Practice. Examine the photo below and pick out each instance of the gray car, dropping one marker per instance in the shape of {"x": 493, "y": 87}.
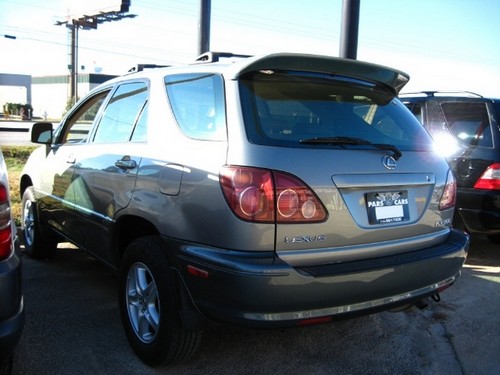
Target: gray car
{"x": 269, "y": 191}
{"x": 11, "y": 296}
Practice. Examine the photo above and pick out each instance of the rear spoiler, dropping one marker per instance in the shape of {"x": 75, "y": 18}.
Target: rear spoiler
{"x": 374, "y": 73}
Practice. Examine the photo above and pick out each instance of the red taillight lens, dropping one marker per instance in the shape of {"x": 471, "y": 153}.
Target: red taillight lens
{"x": 263, "y": 195}
{"x": 449, "y": 197}
{"x": 288, "y": 203}
{"x": 5, "y": 224}
{"x": 249, "y": 192}
{"x": 4, "y": 195}
{"x": 5, "y": 242}
{"x": 490, "y": 179}
{"x": 295, "y": 201}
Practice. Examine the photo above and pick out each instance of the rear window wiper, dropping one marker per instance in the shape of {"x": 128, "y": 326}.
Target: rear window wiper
{"x": 351, "y": 141}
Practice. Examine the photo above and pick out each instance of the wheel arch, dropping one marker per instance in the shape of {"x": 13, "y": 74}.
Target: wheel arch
{"x": 127, "y": 229}
{"x": 24, "y": 182}
{"x": 130, "y": 227}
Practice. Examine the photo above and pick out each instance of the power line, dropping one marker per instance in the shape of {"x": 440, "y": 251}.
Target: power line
{"x": 180, "y": 8}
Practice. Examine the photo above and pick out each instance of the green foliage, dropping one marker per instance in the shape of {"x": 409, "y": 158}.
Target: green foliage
{"x": 18, "y": 109}
{"x": 16, "y": 156}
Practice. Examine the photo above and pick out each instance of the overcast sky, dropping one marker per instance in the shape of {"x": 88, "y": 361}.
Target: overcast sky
{"x": 442, "y": 44}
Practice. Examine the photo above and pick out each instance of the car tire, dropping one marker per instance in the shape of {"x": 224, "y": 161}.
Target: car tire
{"x": 150, "y": 304}
{"x": 37, "y": 242}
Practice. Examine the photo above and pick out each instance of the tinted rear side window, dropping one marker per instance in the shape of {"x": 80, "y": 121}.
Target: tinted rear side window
{"x": 468, "y": 122}
{"x": 286, "y": 108}
{"x": 197, "y": 101}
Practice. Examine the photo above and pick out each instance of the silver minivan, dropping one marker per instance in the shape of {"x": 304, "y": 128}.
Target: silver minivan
{"x": 265, "y": 191}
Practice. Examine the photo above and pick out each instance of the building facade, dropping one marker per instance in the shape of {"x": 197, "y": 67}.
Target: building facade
{"x": 50, "y": 94}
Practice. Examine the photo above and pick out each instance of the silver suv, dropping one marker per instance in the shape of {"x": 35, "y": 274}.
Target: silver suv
{"x": 267, "y": 191}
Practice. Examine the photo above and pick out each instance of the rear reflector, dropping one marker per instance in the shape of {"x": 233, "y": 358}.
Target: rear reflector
{"x": 198, "y": 272}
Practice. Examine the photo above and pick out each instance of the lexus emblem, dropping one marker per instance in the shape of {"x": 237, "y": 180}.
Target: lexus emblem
{"x": 389, "y": 162}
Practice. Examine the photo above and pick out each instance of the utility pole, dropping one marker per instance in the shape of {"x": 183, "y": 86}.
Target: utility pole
{"x": 86, "y": 23}
{"x": 73, "y": 65}
{"x": 204, "y": 27}
{"x": 349, "y": 31}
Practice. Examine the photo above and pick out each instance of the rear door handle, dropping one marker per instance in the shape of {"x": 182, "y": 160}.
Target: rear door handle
{"x": 126, "y": 162}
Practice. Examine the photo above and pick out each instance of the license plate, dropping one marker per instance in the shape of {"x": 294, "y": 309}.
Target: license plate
{"x": 387, "y": 207}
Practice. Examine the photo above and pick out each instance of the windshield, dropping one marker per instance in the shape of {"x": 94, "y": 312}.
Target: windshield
{"x": 297, "y": 109}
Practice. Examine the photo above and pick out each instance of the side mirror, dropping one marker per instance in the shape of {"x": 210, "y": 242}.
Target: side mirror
{"x": 41, "y": 132}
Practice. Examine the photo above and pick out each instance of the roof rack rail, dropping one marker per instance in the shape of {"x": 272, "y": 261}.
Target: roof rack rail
{"x": 443, "y": 93}
{"x": 211, "y": 56}
{"x": 141, "y": 67}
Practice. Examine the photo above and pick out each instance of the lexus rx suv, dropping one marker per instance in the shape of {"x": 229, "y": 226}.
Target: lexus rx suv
{"x": 265, "y": 191}
{"x": 11, "y": 297}
{"x": 466, "y": 128}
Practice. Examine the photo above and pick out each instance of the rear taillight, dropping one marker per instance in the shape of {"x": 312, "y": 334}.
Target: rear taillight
{"x": 490, "y": 179}
{"x": 262, "y": 195}
{"x": 5, "y": 224}
{"x": 448, "y": 199}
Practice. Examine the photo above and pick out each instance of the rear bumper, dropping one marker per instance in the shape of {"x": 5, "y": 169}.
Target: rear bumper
{"x": 11, "y": 304}
{"x": 10, "y": 333}
{"x": 259, "y": 289}
{"x": 480, "y": 210}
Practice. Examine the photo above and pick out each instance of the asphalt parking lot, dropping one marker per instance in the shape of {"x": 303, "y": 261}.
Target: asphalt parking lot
{"x": 73, "y": 327}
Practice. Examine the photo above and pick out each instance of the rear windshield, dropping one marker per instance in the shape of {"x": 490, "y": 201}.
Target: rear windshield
{"x": 288, "y": 108}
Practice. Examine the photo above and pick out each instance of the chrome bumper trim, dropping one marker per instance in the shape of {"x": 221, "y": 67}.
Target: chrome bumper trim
{"x": 309, "y": 314}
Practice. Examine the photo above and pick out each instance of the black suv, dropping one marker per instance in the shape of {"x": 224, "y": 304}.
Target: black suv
{"x": 466, "y": 128}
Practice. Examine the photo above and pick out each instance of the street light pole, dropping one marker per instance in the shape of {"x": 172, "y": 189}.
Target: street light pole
{"x": 349, "y": 31}
{"x": 204, "y": 27}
